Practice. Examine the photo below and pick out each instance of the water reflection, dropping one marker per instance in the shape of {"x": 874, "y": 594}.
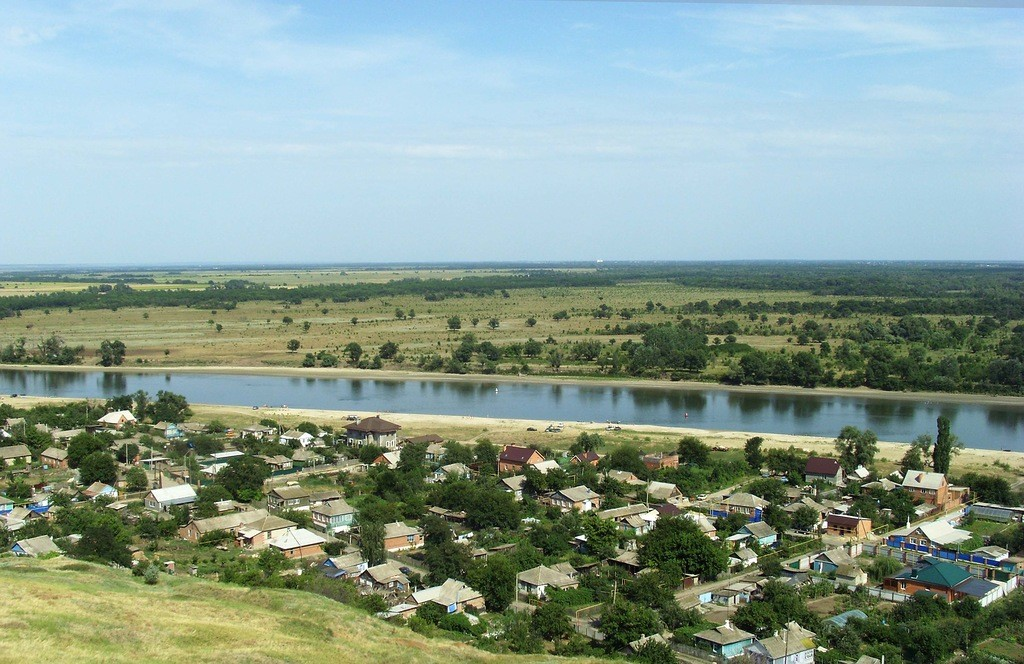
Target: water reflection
{"x": 986, "y": 426}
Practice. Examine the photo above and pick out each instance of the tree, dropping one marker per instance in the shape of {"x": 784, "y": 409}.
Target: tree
{"x": 586, "y": 442}
{"x": 624, "y": 622}
{"x": 602, "y": 535}
{"x": 532, "y": 348}
{"x": 98, "y": 467}
{"x": 486, "y": 456}
{"x": 946, "y": 445}
{"x": 207, "y": 499}
{"x": 680, "y": 541}
{"x": 112, "y": 353}
{"x": 83, "y": 445}
{"x": 104, "y": 537}
{"x": 531, "y": 321}
{"x": 371, "y": 542}
{"x": 388, "y": 350}
{"x": 454, "y": 323}
{"x": 915, "y": 456}
{"x": 496, "y": 581}
{"x": 856, "y": 447}
{"x": 551, "y": 622}
{"x": 555, "y": 359}
{"x": 752, "y": 452}
{"x": 805, "y": 518}
{"x": 693, "y": 450}
{"x": 294, "y": 345}
{"x": 243, "y": 478}
{"x": 169, "y": 407}
{"x": 493, "y": 323}
{"x": 654, "y": 652}
{"x": 354, "y": 352}
{"x": 141, "y": 403}
{"x": 136, "y": 479}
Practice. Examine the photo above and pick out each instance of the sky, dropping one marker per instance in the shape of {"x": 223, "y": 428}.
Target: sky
{"x": 164, "y": 131}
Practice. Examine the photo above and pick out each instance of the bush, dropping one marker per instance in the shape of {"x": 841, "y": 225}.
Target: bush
{"x": 151, "y": 575}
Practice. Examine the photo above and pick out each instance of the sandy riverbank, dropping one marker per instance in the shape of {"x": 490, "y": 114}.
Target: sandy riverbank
{"x": 502, "y": 431}
{"x": 387, "y": 374}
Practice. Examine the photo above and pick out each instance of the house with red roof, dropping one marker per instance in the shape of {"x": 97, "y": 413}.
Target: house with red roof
{"x": 823, "y": 469}
{"x": 513, "y": 459}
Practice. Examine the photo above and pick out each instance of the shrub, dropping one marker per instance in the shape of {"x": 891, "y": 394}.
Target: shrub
{"x": 151, "y": 575}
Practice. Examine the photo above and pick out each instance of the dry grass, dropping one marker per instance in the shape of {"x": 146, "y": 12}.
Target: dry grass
{"x": 60, "y": 610}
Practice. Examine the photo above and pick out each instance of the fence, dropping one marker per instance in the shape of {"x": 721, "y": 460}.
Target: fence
{"x": 889, "y": 595}
{"x": 699, "y": 653}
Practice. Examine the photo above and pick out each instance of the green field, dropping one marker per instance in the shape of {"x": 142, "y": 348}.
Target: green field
{"x": 61, "y": 610}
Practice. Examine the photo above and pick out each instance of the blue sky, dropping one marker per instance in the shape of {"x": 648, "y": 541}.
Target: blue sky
{"x": 163, "y": 131}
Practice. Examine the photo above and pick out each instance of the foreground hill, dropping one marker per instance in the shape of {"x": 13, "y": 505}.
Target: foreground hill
{"x": 64, "y": 610}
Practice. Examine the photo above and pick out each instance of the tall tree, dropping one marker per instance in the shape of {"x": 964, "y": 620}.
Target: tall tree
{"x": 496, "y": 581}
{"x": 98, "y": 467}
{"x": 679, "y": 541}
{"x": 693, "y": 450}
{"x": 752, "y": 452}
{"x": 946, "y": 445}
{"x": 371, "y": 542}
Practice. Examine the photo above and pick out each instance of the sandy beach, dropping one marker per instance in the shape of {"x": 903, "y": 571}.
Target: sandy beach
{"x": 503, "y": 431}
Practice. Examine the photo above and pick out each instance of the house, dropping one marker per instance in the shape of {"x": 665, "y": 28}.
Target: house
{"x": 388, "y": 460}
{"x": 851, "y": 576}
{"x": 589, "y": 458}
{"x": 742, "y": 558}
{"x": 6, "y": 504}
{"x": 760, "y": 531}
{"x": 306, "y": 458}
{"x": 117, "y": 419}
{"x": 624, "y": 476}
{"x": 350, "y": 566}
{"x": 230, "y": 523}
{"x": 298, "y": 543}
{"x": 35, "y": 547}
{"x": 827, "y": 562}
{"x": 944, "y": 579}
{"x": 317, "y": 498}
{"x": 726, "y": 641}
{"x": 386, "y": 579}
{"x": 257, "y": 533}
{"x": 841, "y": 525}
{"x": 435, "y": 451}
{"x": 452, "y": 471}
{"x": 514, "y": 459}
{"x": 277, "y": 462}
{"x": 933, "y": 489}
{"x": 54, "y": 457}
{"x": 334, "y": 517}
{"x": 546, "y": 466}
{"x": 17, "y": 517}
{"x": 634, "y": 647}
{"x": 63, "y": 436}
{"x": 538, "y": 580}
{"x": 931, "y": 537}
{"x": 168, "y": 430}
{"x": 289, "y": 497}
{"x": 296, "y": 437}
{"x": 664, "y": 492}
{"x": 635, "y": 520}
{"x": 99, "y": 490}
{"x": 703, "y": 522}
{"x": 258, "y": 432}
{"x": 400, "y": 537}
{"x": 373, "y": 431}
{"x": 15, "y": 454}
{"x": 823, "y": 469}
{"x": 791, "y": 645}
{"x": 579, "y": 498}
{"x": 628, "y": 561}
{"x": 743, "y": 503}
{"x": 452, "y": 595}
{"x": 160, "y": 500}
{"x": 661, "y": 460}
{"x": 514, "y": 485}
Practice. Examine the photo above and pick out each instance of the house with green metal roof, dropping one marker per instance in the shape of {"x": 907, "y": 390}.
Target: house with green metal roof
{"x": 943, "y": 579}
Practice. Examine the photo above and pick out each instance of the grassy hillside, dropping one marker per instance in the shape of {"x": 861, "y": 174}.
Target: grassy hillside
{"x": 64, "y": 610}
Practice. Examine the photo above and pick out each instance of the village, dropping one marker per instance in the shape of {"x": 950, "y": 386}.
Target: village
{"x": 690, "y": 554}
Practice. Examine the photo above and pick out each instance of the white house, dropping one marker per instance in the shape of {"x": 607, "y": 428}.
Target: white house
{"x": 160, "y": 500}
{"x": 117, "y": 419}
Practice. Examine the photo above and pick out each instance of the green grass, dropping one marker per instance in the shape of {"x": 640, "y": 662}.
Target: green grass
{"x": 61, "y": 610}
{"x": 983, "y": 528}
{"x": 1012, "y": 652}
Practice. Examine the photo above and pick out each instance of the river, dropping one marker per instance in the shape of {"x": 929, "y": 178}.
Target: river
{"x": 981, "y": 425}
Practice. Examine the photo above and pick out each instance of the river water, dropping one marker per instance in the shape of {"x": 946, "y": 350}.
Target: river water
{"x": 989, "y": 426}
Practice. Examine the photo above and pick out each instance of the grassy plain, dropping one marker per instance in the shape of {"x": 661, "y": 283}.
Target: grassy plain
{"x": 60, "y": 610}
{"x": 255, "y": 334}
